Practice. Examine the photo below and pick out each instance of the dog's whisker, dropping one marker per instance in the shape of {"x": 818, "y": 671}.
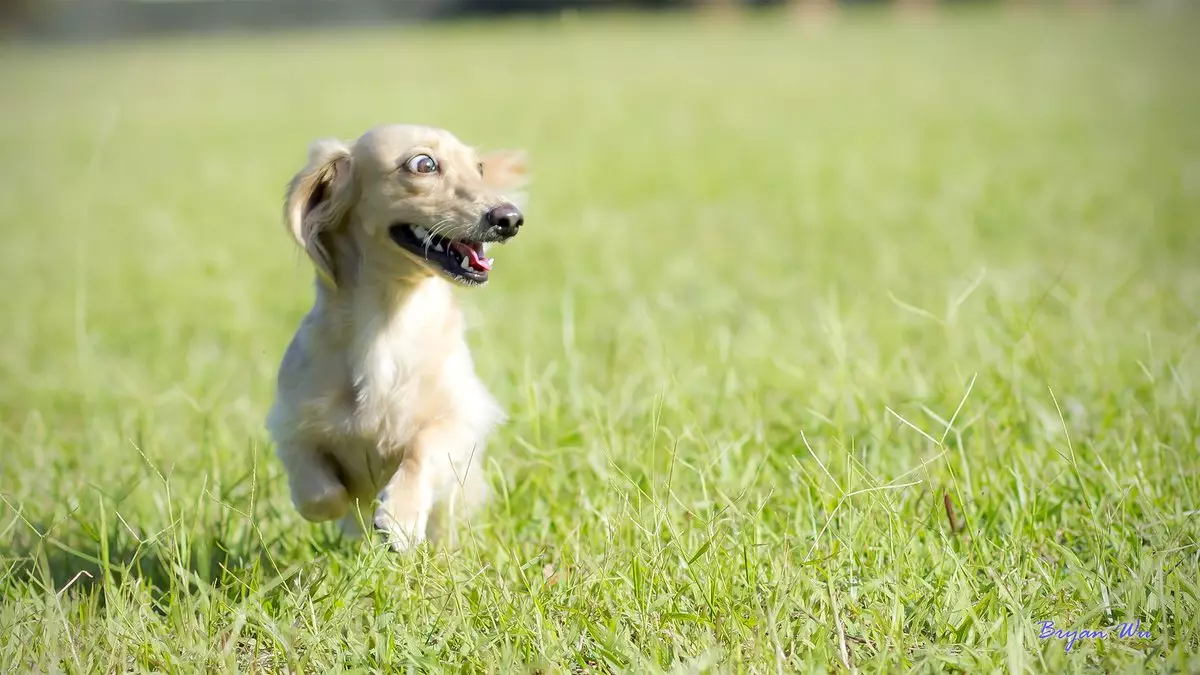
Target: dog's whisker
{"x": 435, "y": 231}
{"x": 438, "y": 228}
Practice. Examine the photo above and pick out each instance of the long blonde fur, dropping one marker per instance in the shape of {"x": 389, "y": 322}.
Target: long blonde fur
{"x": 379, "y": 416}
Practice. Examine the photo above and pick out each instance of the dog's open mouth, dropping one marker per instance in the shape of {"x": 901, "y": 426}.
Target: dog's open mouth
{"x": 461, "y": 259}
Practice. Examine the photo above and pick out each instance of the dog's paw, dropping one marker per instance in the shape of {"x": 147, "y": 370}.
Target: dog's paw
{"x": 401, "y": 536}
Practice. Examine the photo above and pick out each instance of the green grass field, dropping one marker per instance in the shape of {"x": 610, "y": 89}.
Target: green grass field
{"x": 782, "y": 292}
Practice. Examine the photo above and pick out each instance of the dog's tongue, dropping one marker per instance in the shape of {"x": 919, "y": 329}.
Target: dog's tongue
{"x": 478, "y": 263}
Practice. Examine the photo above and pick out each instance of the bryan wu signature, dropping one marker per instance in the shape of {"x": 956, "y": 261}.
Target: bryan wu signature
{"x": 1132, "y": 629}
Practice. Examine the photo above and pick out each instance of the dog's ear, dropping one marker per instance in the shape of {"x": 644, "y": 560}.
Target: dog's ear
{"x": 507, "y": 172}
{"x": 318, "y": 199}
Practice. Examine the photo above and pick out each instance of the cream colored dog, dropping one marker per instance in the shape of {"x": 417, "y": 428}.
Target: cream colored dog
{"x": 378, "y": 405}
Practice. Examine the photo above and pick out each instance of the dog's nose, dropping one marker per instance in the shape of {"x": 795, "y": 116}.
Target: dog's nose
{"x": 505, "y": 220}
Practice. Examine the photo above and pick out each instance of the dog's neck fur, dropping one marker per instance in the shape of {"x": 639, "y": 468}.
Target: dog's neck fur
{"x": 394, "y": 330}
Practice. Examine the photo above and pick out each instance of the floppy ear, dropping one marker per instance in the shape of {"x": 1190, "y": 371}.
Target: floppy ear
{"x": 506, "y": 172}
{"x": 318, "y": 198}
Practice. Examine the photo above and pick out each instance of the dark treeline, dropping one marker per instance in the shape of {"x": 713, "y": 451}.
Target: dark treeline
{"x": 106, "y": 19}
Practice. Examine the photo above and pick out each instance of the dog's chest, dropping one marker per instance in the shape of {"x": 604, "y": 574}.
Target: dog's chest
{"x": 386, "y": 390}
{"x": 395, "y": 370}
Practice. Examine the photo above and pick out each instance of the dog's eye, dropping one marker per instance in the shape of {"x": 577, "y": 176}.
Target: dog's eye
{"x": 422, "y": 164}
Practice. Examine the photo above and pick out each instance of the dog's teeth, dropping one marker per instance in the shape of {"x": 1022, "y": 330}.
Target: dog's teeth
{"x": 466, "y": 264}
{"x": 421, "y": 232}
{"x": 438, "y": 248}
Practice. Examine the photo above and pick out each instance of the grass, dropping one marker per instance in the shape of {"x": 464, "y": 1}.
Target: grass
{"x": 783, "y": 296}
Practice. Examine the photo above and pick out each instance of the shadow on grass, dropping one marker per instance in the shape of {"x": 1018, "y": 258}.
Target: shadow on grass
{"x": 73, "y": 559}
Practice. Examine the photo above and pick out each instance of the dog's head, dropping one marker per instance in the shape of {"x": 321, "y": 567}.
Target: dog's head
{"x": 404, "y": 200}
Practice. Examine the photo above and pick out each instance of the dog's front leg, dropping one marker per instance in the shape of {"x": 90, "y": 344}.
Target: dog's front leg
{"x": 317, "y": 492}
{"x": 404, "y": 505}
{"x": 408, "y": 498}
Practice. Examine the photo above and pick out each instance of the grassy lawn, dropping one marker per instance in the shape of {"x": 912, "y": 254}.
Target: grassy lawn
{"x": 783, "y": 295}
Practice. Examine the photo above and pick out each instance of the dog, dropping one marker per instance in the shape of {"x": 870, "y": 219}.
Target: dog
{"x": 379, "y": 416}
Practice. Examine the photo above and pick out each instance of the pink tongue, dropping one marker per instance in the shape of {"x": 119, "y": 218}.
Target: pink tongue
{"x": 477, "y": 263}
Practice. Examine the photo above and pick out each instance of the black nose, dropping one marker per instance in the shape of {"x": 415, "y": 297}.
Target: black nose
{"x": 505, "y": 220}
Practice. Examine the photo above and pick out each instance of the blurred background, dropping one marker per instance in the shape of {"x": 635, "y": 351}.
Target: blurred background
{"x": 100, "y": 19}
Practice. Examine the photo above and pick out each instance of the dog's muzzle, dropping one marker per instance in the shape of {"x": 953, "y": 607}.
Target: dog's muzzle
{"x": 461, "y": 259}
